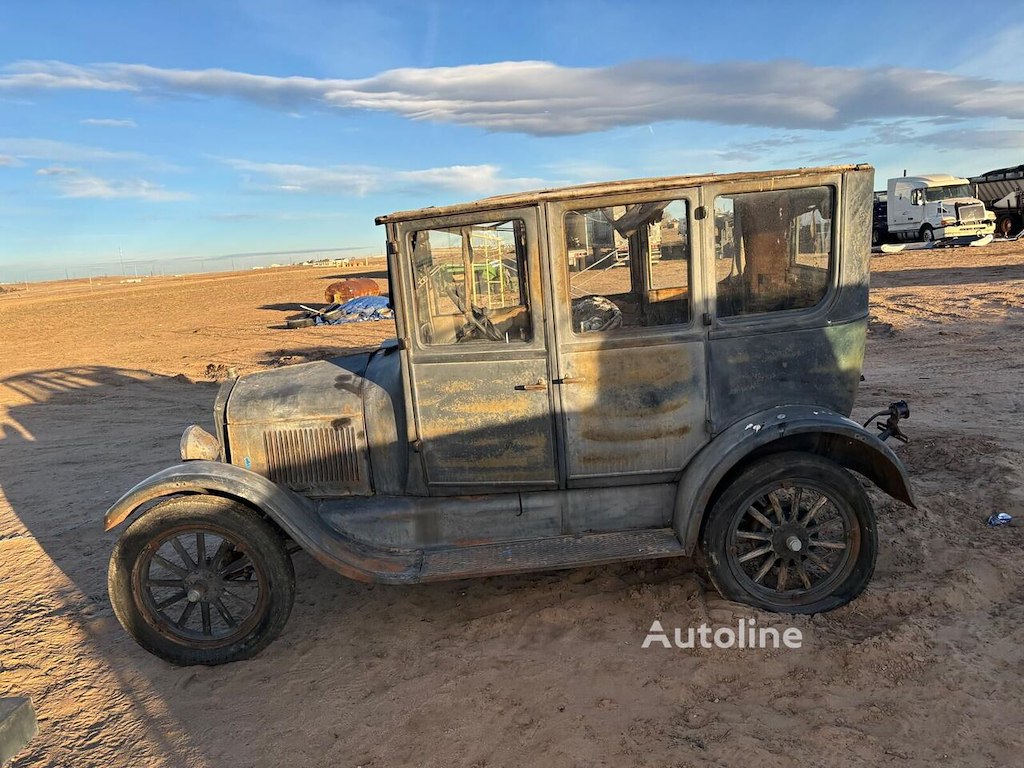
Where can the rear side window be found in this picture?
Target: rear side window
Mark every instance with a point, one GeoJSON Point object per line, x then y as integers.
{"type": "Point", "coordinates": [773, 250]}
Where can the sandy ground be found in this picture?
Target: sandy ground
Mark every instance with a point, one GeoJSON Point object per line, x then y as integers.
{"type": "Point", "coordinates": [96, 382]}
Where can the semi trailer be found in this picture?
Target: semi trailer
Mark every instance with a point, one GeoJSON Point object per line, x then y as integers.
{"type": "Point", "coordinates": [1002, 192]}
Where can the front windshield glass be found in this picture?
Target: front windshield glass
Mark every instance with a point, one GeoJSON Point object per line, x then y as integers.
{"type": "Point", "coordinates": [935, 194]}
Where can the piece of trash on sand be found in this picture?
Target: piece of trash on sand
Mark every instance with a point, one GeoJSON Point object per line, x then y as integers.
{"type": "Point", "coordinates": [360, 310]}
{"type": "Point", "coordinates": [999, 519]}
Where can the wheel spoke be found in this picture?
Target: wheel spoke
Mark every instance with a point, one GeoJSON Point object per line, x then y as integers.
{"type": "Point", "coordinates": [240, 599]}
{"type": "Point", "coordinates": [175, 598]}
{"type": "Point", "coordinates": [803, 574]}
{"type": "Point", "coordinates": [814, 510]}
{"type": "Point", "coordinates": [819, 562]}
{"type": "Point", "coordinates": [776, 506]}
{"type": "Point", "coordinates": [250, 583]}
{"type": "Point", "coordinates": [755, 553]}
{"type": "Point", "coordinates": [186, 558]}
{"type": "Point", "coordinates": [756, 535]}
{"type": "Point", "coordinates": [827, 544]}
{"type": "Point", "coordinates": [756, 514]}
{"type": "Point", "coordinates": [780, 584]}
{"type": "Point", "coordinates": [204, 608]}
{"type": "Point", "coordinates": [165, 582]}
{"type": "Point", "coordinates": [794, 508]}
{"type": "Point", "coordinates": [225, 613]}
{"type": "Point", "coordinates": [185, 615]}
{"type": "Point", "coordinates": [238, 565]}
{"type": "Point", "coordinates": [764, 569]}
{"type": "Point", "coordinates": [200, 548]}
{"type": "Point", "coordinates": [172, 567]}
{"type": "Point", "coordinates": [222, 550]}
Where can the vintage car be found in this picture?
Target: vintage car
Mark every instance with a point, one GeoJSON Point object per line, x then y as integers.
{"type": "Point", "coordinates": [609, 372]}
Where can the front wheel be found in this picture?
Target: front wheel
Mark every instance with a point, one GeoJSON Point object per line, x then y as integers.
{"type": "Point", "coordinates": [927, 233]}
{"type": "Point", "coordinates": [201, 580]}
{"type": "Point", "coordinates": [793, 533]}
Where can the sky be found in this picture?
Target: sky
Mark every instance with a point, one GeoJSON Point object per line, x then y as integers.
{"type": "Point", "coordinates": [144, 137]}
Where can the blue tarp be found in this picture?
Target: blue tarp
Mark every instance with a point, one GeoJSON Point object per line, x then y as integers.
{"type": "Point", "coordinates": [361, 310]}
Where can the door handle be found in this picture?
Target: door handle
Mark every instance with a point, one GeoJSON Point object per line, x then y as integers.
{"type": "Point", "coordinates": [569, 380]}
{"type": "Point", "coordinates": [540, 385]}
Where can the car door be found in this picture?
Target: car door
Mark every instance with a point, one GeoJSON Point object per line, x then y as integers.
{"type": "Point", "coordinates": [479, 373]}
{"type": "Point", "coordinates": [629, 339]}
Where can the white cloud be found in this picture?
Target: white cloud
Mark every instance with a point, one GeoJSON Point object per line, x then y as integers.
{"type": "Point", "coordinates": [48, 150]}
{"type": "Point", "coordinates": [74, 183]}
{"type": "Point", "coordinates": [9, 161]}
{"type": "Point", "coordinates": [544, 99]}
{"type": "Point", "coordinates": [108, 122]}
{"type": "Point", "coordinates": [353, 180]}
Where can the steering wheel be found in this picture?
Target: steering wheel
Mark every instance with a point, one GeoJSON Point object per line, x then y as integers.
{"type": "Point", "coordinates": [479, 321]}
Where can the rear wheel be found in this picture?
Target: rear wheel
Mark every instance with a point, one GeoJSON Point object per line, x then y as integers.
{"type": "Point", "coordinates": [1005, 226]}
{"type": "Point", "coordinates": [201, 580]}
{"type": "Point", "coordinates": [793, 533]}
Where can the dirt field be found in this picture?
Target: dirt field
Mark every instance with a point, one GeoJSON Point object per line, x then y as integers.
{"type": "Point", "coordinates": [97, 381]}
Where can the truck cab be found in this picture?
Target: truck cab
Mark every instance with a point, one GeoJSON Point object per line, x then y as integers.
{"type": "Point", "coordinates": [935, 207]}
{"type": "Point", "coordinates": [627, 370]}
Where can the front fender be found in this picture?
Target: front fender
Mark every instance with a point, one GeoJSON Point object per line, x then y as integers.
{"type": "Point", "coordinates": [802, 427]}
{"type": "Point", "coordinates": [296, 516]}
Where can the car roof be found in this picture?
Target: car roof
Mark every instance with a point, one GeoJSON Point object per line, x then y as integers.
{"type": "Point", "coordinates": [582, 191]}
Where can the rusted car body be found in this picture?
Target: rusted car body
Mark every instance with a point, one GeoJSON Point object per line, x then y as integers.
{"type": "Point", "coordinates": [580, 376]}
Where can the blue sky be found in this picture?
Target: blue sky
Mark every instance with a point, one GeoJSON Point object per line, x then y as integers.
{"type": "Point", "coordinates": [204, 131]}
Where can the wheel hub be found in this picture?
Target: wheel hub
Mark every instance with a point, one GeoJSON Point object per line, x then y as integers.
{"type": "Point", "coordinates": [790, 540]}
{"type": "Point", "coordinates": [202, 585]}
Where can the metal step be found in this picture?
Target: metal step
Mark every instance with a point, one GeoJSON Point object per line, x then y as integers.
{"type": "Point", "coordinates": [548, 554]}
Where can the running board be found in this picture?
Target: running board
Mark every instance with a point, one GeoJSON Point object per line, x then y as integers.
{"type": "Point", "coordinates": [548, 554]}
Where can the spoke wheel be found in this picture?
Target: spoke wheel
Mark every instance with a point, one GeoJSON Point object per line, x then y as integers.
{"type": "Point", "coordinates": [794, 532]}
{"type": "Point", "coordinates": [201, 585]}
{"type": "Point", "coordinates": [201, 580]}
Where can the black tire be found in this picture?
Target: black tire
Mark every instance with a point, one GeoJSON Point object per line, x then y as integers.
{"type": "Point", "coordinates": [733, 534]}
{"type": "Point", "coordinates": [927, 234]}
{"type": "Point", "coordinates": [876, 236]}
{"type": "Point", "coordinates": [247, 579]}
{"type": "Point", "coordinates": [1005, 226]}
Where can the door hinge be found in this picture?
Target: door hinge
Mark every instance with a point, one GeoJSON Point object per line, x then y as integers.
{"type": "Point", "coordinates": [706, 318]}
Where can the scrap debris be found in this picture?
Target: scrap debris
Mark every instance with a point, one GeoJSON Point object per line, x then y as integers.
{"type": "Point", "coordinates": [358, 310]}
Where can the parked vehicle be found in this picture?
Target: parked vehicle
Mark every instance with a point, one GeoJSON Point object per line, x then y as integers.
{"type": "Point", "coordinates": [616, 371]}
{"type": "Point", "coordinates": [1002, 191]}
{"type": "Point", "coordinates": [880, 219]}
{"type": "Point", "coordinates": [931, 207]}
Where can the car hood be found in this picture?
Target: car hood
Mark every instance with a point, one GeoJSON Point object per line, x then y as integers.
{"type": "Point", "coordinates": [324, 389]}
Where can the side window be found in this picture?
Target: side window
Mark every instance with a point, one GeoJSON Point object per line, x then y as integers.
{"type": "Point", "coordinates": [471, 283]}
{"type": "Point", "coordinates": [629, 265]}
{"type": "Point", "coordinates": [773, 250]}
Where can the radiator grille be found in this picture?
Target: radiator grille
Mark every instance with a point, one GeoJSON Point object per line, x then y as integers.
{"type": "Point", "coordinates": [313, 457]}
{"type": "Point", "coordinates": [972, 212]}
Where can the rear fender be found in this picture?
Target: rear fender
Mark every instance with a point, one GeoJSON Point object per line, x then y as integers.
{"type": "Point", "coordinates": [295, 515]}
{"type": "Point", "coordinates": [802, 428]}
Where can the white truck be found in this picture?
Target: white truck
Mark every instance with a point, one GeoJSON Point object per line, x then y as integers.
{"type": "Point", "coordinates": [935, 207]}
